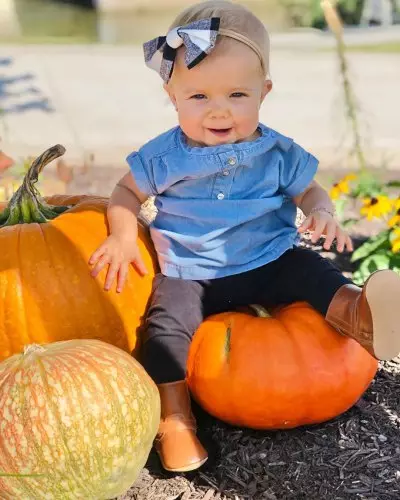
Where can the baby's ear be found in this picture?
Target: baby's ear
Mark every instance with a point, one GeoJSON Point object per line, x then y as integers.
{"type": "Point", "coordinates": [169, 90]}
{"type": "Point", "coordinates": [267, 87]}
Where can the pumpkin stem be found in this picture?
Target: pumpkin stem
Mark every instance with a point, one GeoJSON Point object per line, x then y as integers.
{"type": "Point", "coordinates": [32, 348]}
{"type": "Point", "coordinates": [228, 341]}
{"type": "Point", "coordinates": [26, 205]}
{"type": "Point", "coordinates": [260, 311]}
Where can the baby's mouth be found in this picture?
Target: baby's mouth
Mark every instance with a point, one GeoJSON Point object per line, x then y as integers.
{"type": "Point", "coordinates": [220, 131]}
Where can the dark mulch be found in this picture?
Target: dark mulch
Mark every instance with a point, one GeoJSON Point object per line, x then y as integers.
{"type": "Point", "coordinates": [355, 456]}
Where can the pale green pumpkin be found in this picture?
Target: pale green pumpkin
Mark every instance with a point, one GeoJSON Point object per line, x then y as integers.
{"type": "Point", "coordinates": [77, 420]}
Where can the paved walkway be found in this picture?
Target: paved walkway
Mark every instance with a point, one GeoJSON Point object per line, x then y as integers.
{"type": "Point", "coordinates": [103, 101]}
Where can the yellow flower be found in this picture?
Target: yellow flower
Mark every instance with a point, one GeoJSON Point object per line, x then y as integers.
{"type": "Point", "coordinates": [396, 240]}
{"type": "Point", "coordinates": [396, 218]}
{"type": "Point", "coordinates": [376, 207]}
{"type": "Point", "coordinates": [341, 187]}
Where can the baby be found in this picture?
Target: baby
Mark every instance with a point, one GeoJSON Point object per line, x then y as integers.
{"type": "Point", "coordinates": [226, 188]}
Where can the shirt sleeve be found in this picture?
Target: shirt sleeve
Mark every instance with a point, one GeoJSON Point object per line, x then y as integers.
{"type": "Point", "coordinates": [143, 173]}
{"type": "Point", "coordinates": [297, 170]}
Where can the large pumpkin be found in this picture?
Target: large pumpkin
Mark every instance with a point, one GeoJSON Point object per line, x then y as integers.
{"type": "Point", "coordinates": [46, 291]}
{"type": "Point", "coordinates": [276, 372]}
{"type": "Point", "coordinates": [78, 418]}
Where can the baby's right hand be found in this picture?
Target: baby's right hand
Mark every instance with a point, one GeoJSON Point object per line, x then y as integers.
{"type": "Point", "coordinates": [117, 253]}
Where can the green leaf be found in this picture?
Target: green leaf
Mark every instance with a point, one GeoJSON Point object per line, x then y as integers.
{"type": "Point", "coordinates": [369, 265]}
{"type": "Point", "coordinates": [395, 262]}
{"type": "Point", "coordinates": [380, 241]}
{"type": "Point", "coordinates": [349, 222]}
{"type": "Point", "coordinates": [393, 184]}
{"type": "Point", "coordinates": [340, 205]}
{"type": "Point", "coordinates": [368, 186]}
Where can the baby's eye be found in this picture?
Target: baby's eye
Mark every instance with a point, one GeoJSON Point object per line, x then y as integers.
{"type": "Point", "coordinates": [238, 94]}
{"type": "Point", "coordinates": [198, 97]}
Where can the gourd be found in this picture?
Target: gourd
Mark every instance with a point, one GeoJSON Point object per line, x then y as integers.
{"type": "Point", "coordinates": [77, 420]}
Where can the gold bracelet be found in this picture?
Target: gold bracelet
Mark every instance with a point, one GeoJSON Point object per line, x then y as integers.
{"type": "Point", "coordinates": [323, 209]}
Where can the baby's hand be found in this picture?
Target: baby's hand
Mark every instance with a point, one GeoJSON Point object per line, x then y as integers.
{"type": "Point", "coordinates": [117, 253]}
{"type": "Point", "coordinates": [324, 224]}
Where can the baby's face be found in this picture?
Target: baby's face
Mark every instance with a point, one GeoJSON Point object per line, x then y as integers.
{"type": "Point", "coordinates": [218, 100]}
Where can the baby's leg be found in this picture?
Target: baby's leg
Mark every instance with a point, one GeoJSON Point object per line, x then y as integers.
{"type": "Point", "coordinates": [174, 313]}
{"type": "Point", "coordinates": [303, 274]}
{"type": "Point", "coordinates": [366, 314]}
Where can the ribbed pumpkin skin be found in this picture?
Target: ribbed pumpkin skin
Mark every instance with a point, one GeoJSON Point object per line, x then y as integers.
{"type": "Point", "coordinates": [46, 291]}
{"type": "Point", "coordinates": [81, 414]}
{"type": "Point", "coordinates": [275, 373]}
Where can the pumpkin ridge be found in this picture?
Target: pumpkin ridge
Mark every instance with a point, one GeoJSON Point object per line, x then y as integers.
{"type": "Point", "coordinates": [93, 434]}
{"type": "Point", "coordinates": [56, 413]}
{"type": "Point", "coordinates": [11, 461]}
{"type": "Point", "coordinates": [106, 312]}
{"type": "Point", "coordinates": [22, 301]}
{"type": "Point", "coordinates": [301, 362]}
{"type": "Point", "coordinates": [117, 409]}
{"type": "Point", "coordinates": [50, 257]}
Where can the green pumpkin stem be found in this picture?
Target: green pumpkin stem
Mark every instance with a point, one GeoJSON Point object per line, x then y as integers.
{"type": "Point", "coordinates": [27, 205]}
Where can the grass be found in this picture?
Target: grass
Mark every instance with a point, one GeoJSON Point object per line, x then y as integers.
{"type": "Point", "coordinates": [393, 47]}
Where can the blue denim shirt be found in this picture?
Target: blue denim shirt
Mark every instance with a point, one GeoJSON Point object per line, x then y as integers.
{"type": "Point", "coordinates": [225, 209]}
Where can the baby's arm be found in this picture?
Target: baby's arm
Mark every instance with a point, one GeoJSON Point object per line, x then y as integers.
{"type": "Point", "coordinates": [120, 248]}
{"type": "Point", "coordinates": [319, 210]}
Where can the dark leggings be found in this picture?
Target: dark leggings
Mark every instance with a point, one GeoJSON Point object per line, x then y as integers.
{"type": "Point", "coordinates": [178, 306]}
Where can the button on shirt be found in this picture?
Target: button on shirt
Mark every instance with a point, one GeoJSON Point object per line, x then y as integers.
{"type": "Point", "coordinates": [225, 209]}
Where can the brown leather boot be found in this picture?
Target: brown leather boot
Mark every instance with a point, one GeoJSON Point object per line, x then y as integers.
{"type": "Point", "coordinates": [176, 442]}
{"type": "Point", "coordinates": [370, 314]}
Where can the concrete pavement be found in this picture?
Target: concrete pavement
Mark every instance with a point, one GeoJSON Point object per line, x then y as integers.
{"type": "Point", "coordinates": [103, 101]}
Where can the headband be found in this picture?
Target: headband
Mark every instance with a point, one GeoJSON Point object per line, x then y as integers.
{"type": "Point", "coordinates": [199, 39]}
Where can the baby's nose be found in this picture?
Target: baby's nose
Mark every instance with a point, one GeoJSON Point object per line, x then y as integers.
{"type": "Point", "coordinates": [219, 110]}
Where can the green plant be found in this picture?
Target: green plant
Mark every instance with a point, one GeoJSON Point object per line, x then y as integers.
{"type": "Point", "coordinates": [382, 250]}
{"type": "Point", "coordinates": [310, 13]}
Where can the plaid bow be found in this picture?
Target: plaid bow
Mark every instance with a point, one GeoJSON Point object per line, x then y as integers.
{"type": "Point", "coordinates": [198, 38]}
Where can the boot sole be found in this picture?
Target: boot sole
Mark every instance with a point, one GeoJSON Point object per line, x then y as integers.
{"type": "Point", "coordinates": [383, 297]}
{"type": "Point", "coordinates": [188, 468]}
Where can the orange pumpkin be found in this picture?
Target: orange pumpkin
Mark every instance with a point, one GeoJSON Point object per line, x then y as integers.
{"type": "Point", "coordinates": [276, 372]}
{"type": "Point", "coordinates": [46, 291]}
{"type": "Point", "coordinates": [78, 419]}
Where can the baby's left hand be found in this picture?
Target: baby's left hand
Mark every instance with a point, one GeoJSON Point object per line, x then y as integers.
{"type": "Point", "coordinates": [325, 224]}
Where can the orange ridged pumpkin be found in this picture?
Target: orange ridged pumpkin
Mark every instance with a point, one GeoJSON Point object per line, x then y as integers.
{"type": "Point", "coordinates": [276, 372]}
{"type": "Point", "coordinates": [46, 291]}
{"type": "Point", "coordinates": [77, 420]}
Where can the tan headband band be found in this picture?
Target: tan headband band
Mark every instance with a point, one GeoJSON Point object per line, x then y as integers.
{"type": "Point", "coordinates": [244, 39]}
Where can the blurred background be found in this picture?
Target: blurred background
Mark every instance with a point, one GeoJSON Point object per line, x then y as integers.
{"type": "Point", "coordinates": [72, 72]}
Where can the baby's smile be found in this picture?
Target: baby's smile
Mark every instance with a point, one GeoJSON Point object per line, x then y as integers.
{"type": "Point", "coordinates": [220, 132]}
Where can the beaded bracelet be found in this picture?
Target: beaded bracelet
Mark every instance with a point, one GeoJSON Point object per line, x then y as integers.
{"type": "Point", "coordinates": [323, 209]}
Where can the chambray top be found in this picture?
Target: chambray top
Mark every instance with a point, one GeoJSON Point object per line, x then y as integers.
{"type": "Point", "coordinates": [225, 209]}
